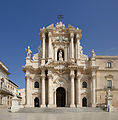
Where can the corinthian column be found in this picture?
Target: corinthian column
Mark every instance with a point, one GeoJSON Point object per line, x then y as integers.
{"type": "Point", "coordinates": [43, 89]}
{"type": "Point", "coordinates": [72, 46]}
{"type": "Point", "coordinates": [55, 53]}
{"type": "Point", "coordinates": [49, 47]}
{"type": "Point", "coordinates": [28, 94]}
{"type": "Point", "coordinates": [93, 90]}
{"type": "Point", "coordinates": [50, 91]}
{"type": "Point", "coordinates": [72, 75]}
{"type": "Point", "coordinates": [78, 49]}
{"type": "Point", "coordinates": [78, 90]}
{"type": "Point", "coordinates": [66, 53]}
{"type": "Point", "coordinates": [43, 47]}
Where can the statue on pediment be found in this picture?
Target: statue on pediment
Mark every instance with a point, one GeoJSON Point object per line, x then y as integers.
{"type": "Point", "coordinates": [28, 52]}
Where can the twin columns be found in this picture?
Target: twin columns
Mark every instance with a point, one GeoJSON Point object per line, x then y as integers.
{"type": "Point", "coordinates": [65, 50]}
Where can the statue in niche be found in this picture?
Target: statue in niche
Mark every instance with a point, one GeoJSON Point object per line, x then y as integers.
{"type": "Point", "coordinates": [60, 56]}
{"type": "Point", "coordinates": [28, 52]}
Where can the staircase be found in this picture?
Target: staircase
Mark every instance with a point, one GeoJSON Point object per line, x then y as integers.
{"type": "Point", "coordinates": [59, 110]}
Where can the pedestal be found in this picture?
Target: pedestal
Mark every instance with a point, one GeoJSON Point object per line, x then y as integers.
{"type": "Point", "coordinates": [15, 105]}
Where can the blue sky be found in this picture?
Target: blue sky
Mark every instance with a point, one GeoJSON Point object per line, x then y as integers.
{"type": "Point", "coordinates": [21, 20]}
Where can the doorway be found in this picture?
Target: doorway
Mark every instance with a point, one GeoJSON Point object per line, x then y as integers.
{"type": "Point", "coordinates": [36, 102]}
{"type": "Point", "coordinates": [84, 102]}
{"type": "Point", "coordinates": [60, 97]}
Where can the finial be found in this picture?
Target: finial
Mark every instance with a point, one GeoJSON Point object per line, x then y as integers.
{"type": "Point", "coordinates": [60, 17]}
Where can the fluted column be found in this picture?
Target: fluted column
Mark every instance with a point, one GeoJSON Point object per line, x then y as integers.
{"type": "Point", "coordinates": [78, 49]}
{"type": "Point", "coordinates": [55, 53]}
{"type": "Point", "coordinates": [43, 48]}
{"type": "Point", "coordinates": [72, 46]}
{"type": "Point", "coordinates": [28, 94]}
{"type": "Point", "coordinates": [72, 75]}
{"type": "Point", "coordinates": [49, 47]}
{"type": "Point", "coordinates": [43, 89]}
{"type": "Point", "coordinates": [66, 53]}
{"type": "Point", "coordinates": [78, 90]}
{"type": "Point", "coordinates": [50, 91]}
{"type": "Point", "coordinates": [93, 90]}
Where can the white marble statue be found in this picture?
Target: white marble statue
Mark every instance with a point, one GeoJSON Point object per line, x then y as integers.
{"type": "Point", "coordinates": [28, 52]}
{"type": "Point", "coordinates": [60, 56]}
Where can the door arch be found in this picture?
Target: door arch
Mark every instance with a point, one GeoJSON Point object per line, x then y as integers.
{"type": "Point", "coordinates": [36, 102]}
{"type": "Point", "coordinates": [60, 97]}
{"type": "Point", "coordinates": [84, 102]}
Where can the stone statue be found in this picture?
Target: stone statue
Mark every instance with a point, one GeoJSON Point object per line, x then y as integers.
{"type": "Point", "coordinates": [28, 52]}
{"type": "Point", "coordinates": [60, 55]}
{"type": "Point", "coordinates": [93, 53]}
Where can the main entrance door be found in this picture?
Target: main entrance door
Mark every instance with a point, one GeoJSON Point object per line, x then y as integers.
{"type": "Point", "coordinates": [84, 102]}
{"type": "Point", "coordinates": [36, 102]}
{"type": "Point", "coordinates": [60, 97]}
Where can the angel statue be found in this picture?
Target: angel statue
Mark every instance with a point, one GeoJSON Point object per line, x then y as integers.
{"type": "Point", "coordinates": [28, 52]}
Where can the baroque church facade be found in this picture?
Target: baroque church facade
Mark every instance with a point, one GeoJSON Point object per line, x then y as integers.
{"type": "Point", "coordinates": [60, 75]}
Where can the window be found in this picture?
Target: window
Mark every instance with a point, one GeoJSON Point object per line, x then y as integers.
{"type": "Point", "coordinates": [109, 84]}
{"type": "Point", "coordinates": [108, 64]}
{"type": "Point", "coordinates": [36, 85]}
{"type": "Point", "coordinates": [84, 85]}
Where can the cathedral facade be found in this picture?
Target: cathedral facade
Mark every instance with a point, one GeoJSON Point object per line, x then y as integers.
{"type": "Point", "coordinates": [60, 75]}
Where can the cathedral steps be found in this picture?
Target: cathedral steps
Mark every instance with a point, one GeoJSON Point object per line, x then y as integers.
{"type": "Point", "coordinates": [59, 110]}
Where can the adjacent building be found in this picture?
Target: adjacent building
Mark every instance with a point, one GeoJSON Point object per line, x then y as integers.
{"type": "Point", "coordinates": [7, 87]}
{"type": "Point", "coordinates": [60, 75]}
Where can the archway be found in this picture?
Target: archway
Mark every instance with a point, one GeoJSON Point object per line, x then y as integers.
{"type": "Point", "coordinates": [60, 97]}
{"type": "Point", "coordinates": [84, 102]}
{"type": "Point", "coordinates": [36, 102]}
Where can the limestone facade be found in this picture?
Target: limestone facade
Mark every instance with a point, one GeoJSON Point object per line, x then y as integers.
{"type": "Point", "coordinates": [6, 87]}
{"type": "Point", "coordinates": [60, 75]}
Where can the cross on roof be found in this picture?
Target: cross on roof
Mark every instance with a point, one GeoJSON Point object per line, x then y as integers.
{"type": "Point", "coordinates": [60, 17]}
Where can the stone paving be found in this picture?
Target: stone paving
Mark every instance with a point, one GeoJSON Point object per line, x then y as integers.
{"type": "Point", "coordinates": [60, 116]}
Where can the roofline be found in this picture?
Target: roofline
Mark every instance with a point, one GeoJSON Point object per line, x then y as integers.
{"type": "Point", "coordinates": [108, 57]}
{"type": "Point", "coordinates": [12, 82]}
{"type": "Point", "coordinates": [4, 67]}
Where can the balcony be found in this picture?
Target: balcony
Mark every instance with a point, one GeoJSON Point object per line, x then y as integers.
{"type": "Point", "coordinates": [4, 91]}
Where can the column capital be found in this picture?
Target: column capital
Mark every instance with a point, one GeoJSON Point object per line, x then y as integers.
{"type": "Point", "coordinates": [78, 36]}
{"type": "Point", "coordinates": [71, 35]}
{"type": "Point", "coordinates": [43, 35]}
{"type": "Point", "coordinates": [49, 34]}
{"type": "Point", "coordinates": [72, 75]}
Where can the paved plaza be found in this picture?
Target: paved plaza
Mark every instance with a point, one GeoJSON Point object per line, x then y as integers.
{"type": "Point", "coordinates": [60, 116]}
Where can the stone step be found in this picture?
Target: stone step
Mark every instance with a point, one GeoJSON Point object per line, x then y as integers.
{"type": "Point", "coordinates": [59, 110]}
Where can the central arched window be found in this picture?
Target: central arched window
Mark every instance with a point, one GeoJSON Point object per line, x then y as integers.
{"type": "Point", "coordinates": [36, 84]}
{"type": "Point", "coordinates": [84, 85]}
{"type": "Point", "coordinates": [60, 54]}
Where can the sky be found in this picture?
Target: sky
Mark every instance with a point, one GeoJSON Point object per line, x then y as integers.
{"type": "Point", "coordinates": [21, 20]}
